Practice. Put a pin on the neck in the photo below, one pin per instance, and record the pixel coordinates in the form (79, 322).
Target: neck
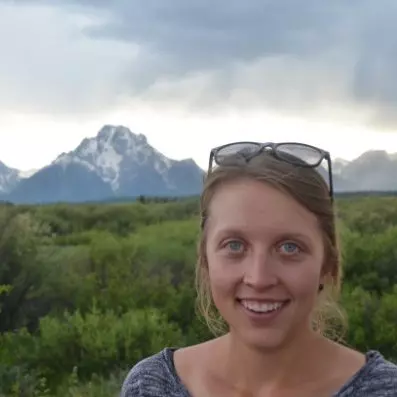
(257, 370)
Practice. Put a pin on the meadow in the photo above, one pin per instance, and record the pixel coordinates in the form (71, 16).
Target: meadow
(88, 290)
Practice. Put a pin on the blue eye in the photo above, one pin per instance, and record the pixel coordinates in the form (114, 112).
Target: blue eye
(235, 246)
(290, 248)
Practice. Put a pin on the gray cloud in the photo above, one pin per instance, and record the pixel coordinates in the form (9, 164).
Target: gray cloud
(48, 66)
(287, 54)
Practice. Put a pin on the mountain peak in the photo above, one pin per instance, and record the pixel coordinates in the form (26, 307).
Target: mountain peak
(374, 154)
(110, 133)
(374, 158)
(116, 155)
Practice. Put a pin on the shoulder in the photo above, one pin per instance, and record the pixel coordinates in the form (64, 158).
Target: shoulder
(378, 378)
(153, 376)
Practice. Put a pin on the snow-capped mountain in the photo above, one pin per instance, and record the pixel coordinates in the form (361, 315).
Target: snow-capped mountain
(114, 152)
(115, 163)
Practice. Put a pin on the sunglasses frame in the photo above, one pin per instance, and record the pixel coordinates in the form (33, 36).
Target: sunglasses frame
(323, 155)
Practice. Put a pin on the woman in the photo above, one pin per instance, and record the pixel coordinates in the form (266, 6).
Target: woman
(267, 275)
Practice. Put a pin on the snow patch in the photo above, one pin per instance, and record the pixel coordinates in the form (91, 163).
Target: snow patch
(27, 173)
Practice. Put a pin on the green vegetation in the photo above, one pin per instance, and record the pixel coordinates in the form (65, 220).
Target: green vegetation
(88, 290)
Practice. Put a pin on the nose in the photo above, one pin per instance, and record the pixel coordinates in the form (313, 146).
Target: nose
(259, 272)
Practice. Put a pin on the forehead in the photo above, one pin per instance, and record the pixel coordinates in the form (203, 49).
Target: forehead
(257, 206)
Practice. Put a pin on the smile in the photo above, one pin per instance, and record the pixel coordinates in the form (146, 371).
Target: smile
(262, 307)
(262, 311)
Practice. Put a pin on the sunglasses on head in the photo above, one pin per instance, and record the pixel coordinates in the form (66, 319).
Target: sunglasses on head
(298, 154)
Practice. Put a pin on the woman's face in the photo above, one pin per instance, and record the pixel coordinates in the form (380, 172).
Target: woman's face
(265, 254)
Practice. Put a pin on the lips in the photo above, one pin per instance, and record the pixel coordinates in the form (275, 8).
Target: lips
(261, 307)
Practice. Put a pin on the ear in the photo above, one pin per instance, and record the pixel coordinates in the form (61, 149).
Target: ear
(325, 277)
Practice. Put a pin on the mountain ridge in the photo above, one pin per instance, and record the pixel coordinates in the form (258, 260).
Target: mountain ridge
(114, 163)
(118, 163)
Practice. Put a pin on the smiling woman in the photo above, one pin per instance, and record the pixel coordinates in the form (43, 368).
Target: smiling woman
(268, 272)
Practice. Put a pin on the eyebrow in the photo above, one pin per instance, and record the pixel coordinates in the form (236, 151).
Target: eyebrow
(283, 234)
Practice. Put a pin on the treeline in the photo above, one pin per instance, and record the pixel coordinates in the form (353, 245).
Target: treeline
(88, 290)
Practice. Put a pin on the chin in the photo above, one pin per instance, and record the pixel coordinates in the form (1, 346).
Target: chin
(262, 340)
(267, 332)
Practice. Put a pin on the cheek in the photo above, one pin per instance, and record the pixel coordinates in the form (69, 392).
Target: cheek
(224, 277)
(304, 281)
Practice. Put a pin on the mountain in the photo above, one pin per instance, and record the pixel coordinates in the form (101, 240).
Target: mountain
(118, 164)
(373, 170)
(9, 178)
(115, 163)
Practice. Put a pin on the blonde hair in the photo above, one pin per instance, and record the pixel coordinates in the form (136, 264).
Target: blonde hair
(309, 189)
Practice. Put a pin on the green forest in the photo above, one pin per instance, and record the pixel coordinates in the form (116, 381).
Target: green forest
(87, 290)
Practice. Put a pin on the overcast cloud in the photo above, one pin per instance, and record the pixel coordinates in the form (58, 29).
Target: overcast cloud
(75, 56)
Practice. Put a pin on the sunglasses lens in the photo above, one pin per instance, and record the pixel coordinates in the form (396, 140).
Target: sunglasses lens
(236, 153)
(294, 153)
(299, 154)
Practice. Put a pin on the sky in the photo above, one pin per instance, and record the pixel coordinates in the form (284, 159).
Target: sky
(191, 75)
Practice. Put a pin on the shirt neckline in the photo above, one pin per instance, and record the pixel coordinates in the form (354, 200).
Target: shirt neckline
(372, 357)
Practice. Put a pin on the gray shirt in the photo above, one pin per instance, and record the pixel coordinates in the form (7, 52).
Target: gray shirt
(155, 376)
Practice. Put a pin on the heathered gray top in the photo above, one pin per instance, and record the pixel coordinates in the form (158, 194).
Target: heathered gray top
(155, 376)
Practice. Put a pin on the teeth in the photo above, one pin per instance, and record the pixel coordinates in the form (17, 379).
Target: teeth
(261, 307)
